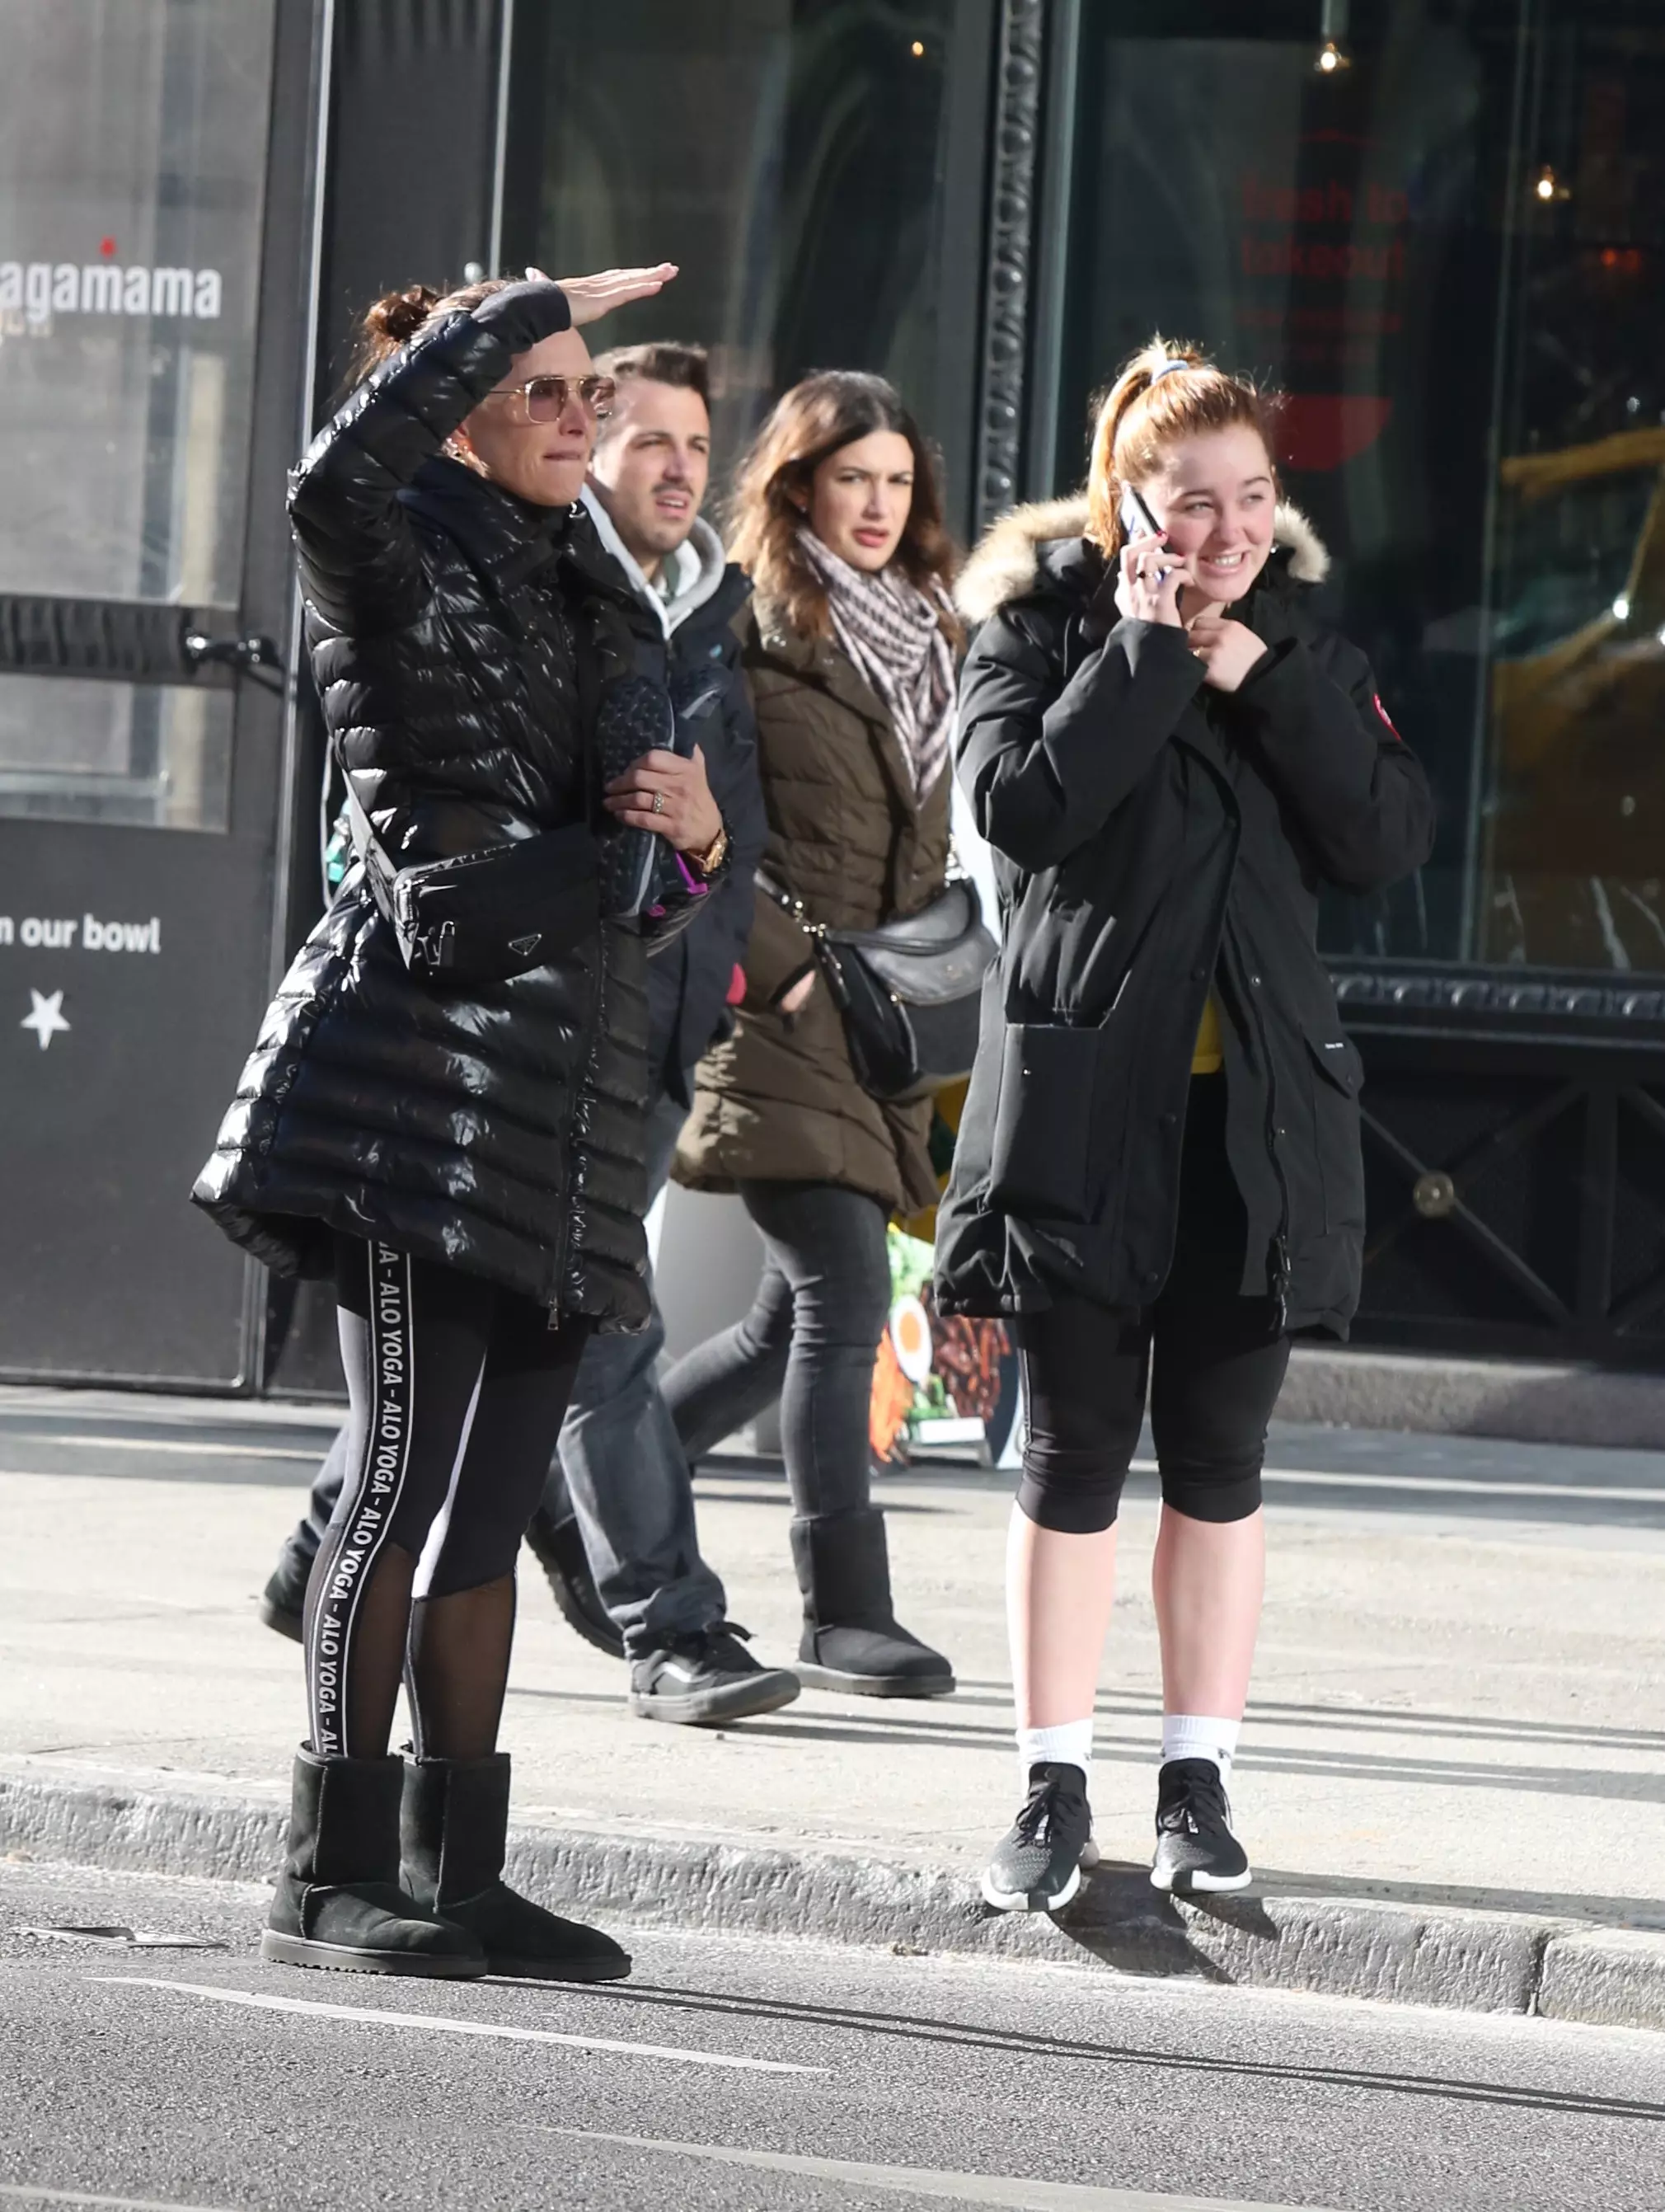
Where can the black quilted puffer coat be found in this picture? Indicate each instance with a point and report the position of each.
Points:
(459, 638)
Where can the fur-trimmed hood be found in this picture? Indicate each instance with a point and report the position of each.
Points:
(1006, 563)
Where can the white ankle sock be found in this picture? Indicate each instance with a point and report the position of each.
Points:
(1199, 1736)
(1069, 1743)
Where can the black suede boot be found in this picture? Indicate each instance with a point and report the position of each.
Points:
(338, 1902)
(455, 1831)
(852, 1640)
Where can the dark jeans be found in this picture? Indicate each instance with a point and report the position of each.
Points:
(1214, 1361)
(811, 1337)
(621, 1465)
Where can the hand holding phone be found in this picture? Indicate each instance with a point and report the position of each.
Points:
(1149, 587)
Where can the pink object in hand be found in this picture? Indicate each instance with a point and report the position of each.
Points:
(737, 985)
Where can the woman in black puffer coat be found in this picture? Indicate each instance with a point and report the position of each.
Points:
(464, 1158)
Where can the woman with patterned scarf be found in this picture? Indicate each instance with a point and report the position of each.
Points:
(850, 652)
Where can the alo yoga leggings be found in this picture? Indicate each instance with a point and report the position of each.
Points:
(457, 1392)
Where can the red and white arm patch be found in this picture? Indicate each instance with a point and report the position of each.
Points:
(1376, 701)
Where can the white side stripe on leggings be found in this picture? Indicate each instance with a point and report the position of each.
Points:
(390, 1415)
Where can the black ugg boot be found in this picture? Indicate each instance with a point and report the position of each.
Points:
(338, 1902)
(852, 1640)
(455, 1831)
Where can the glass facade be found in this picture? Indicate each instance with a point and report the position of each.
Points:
(815, 166)
(1437, 226)
(132, 194)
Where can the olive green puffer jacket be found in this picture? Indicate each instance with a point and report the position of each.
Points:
(777, 1100)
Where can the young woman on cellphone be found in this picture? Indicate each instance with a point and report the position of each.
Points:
(1159, 1175)
(448, 1120)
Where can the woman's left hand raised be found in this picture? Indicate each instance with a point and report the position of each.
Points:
(669, 795)
(590, 298)
(1227, 650)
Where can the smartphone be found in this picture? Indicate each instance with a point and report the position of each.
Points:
(1137, 519)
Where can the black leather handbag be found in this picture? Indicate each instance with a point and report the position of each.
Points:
(484, 916)
(487, 915)
(910, 991)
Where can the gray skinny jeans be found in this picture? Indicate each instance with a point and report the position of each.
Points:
(811, 1338)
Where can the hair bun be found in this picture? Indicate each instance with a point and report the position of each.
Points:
(398, 316)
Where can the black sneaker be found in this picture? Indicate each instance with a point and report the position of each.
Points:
(283, 1600)
(702, 1679)
(1195, 1847)
(557, 1545)
(1038, 1867)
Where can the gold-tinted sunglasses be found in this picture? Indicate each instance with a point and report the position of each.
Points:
(543, 399)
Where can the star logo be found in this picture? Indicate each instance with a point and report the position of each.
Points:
(46, 1017)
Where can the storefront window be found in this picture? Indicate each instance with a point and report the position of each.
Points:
(132, 159)
(814, 165)
(1437, 226)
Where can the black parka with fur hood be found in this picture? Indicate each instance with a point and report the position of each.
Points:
(1153, 840)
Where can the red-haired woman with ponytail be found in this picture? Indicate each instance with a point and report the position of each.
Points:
(1159, 1175)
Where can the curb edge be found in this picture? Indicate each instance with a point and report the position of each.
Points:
(1445, 1957)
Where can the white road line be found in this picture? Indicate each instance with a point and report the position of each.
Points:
(91, 1439)
(33, 2193)
(443, 2026)
(1468, 1485)
(1009, 2190)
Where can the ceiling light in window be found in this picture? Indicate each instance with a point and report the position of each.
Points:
(1547, 187)
(917, 49)
(1333, 55)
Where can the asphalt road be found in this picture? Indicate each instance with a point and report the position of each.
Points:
(179, 2071)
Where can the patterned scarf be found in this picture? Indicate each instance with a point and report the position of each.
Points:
(892, 635)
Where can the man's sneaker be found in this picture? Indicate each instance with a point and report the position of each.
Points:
(556, 1543)
(283, 1600)
(1195, 1847)
(706, 1679)
(1038, 1867)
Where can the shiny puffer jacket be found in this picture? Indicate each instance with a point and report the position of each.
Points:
(460, 639)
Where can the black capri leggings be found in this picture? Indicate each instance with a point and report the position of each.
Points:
(458, 1391)
(1212, 1360)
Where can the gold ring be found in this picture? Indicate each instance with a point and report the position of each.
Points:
(658, 802)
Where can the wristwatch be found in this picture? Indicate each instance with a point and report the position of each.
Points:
(707, 862)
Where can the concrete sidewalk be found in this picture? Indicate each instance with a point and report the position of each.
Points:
(1452, 1782)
